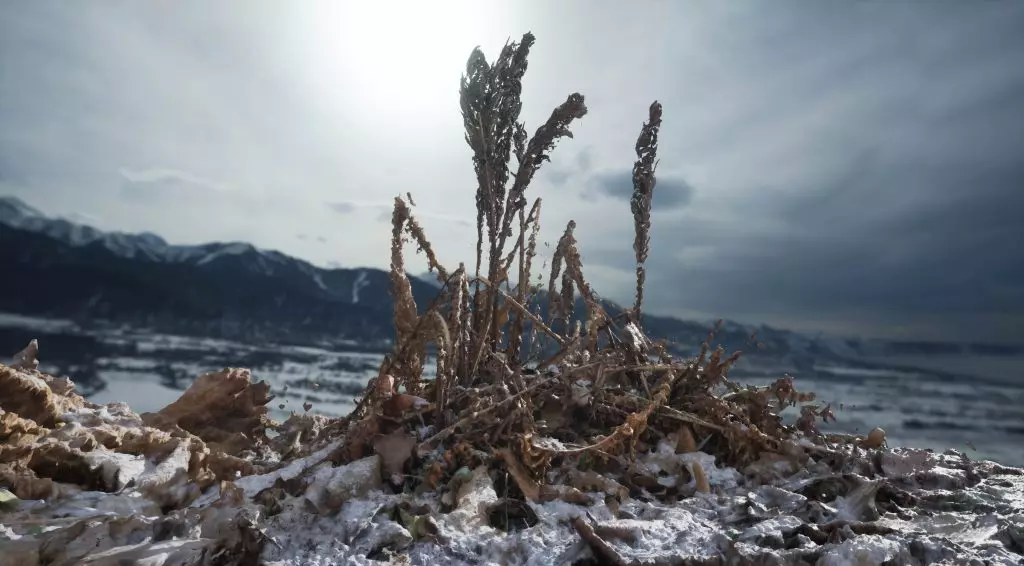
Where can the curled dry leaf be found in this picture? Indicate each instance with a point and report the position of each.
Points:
(26, 359)
(685, 442)
(700, 479)
(875, 438)
(403, 403)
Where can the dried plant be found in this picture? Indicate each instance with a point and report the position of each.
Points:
(643, 192)
(486, 405)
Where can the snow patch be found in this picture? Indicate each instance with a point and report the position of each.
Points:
(229, 249)
(360, 282)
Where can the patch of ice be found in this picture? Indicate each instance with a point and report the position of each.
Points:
(860, 551)
(252, 485)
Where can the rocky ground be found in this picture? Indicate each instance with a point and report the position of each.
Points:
(210, 479)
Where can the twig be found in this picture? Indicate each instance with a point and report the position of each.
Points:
(477, 414)
(530, 488)
(524, 311)
(558, 357)
(678, 415)
(602, 550)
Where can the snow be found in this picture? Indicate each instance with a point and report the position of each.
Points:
(11, 207)
(360, 282)
(142, 395)
(10, 320)
(319, 281)
(16, 214)
(229, 249)
(866, 549)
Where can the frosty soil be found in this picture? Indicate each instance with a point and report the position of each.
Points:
(157, 506)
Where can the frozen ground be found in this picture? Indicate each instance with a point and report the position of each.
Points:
(975, 406)
(114, 506)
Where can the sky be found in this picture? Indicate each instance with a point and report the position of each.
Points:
(852, 168)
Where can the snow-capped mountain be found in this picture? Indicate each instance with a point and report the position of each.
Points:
(68, 270)
(57, 268)
(16, 214)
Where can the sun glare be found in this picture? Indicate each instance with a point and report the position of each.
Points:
(400, 55)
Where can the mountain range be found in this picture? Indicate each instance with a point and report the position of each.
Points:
(56, 268)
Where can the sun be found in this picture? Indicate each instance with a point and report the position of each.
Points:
(400, 55)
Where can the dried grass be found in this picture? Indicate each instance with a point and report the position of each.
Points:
(488, 403)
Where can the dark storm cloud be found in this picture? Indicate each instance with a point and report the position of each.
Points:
(857, 163)
(887, 242)
(670, 192)
(903, 206)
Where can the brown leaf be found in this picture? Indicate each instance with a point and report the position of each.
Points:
(565, 493)
(875, 439)
(401, 404)
(700, 479)
(685, 442)
(526, 484)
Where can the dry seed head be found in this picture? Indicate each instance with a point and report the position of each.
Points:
(643, 192)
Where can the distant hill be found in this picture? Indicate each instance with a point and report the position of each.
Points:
(60, 269)
(56, 268)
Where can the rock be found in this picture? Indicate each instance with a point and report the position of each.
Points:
(383, 533)
(332, 486)
(472, 500)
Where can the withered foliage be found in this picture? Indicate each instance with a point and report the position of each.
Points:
(605, 391)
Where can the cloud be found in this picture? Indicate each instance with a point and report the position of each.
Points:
(670, 192)
(858, 166)
(308, 238)
(342, 207)
(877, 247)
(158, 184)
(384, 212)
(169, 177)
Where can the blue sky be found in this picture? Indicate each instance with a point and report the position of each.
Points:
(851, 167)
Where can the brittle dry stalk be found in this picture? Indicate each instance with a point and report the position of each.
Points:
(643, 192)
(477, 322)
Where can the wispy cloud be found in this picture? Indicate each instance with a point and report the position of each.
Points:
(384, 210)
(168, 177)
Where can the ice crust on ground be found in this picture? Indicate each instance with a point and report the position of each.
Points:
(101, 485)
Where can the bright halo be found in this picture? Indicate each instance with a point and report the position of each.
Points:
(401, 55)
